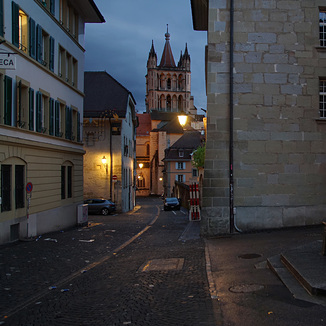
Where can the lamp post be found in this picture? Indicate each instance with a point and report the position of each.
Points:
(182, 117)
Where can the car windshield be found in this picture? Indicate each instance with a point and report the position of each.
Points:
(173, 199)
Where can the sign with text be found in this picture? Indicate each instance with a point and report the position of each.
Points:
(7, 61)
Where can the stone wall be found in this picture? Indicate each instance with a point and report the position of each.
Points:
(279, 139)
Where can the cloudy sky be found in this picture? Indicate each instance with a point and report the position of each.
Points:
(122, 44)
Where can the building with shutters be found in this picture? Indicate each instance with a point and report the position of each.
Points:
(41, 109)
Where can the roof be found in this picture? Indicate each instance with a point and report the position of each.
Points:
(144, 127)
(190, 141)
(89, 11)
(103, 92)
(171, 127)
(199, 10)
(163, 116)
(167, 60)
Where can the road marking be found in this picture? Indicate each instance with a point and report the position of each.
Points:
(67, 279)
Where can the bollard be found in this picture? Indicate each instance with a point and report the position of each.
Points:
(323, 252)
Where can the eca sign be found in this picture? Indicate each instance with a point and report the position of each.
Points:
(7, 62)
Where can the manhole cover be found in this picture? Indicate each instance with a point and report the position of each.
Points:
(246, 288)
(249, 256)
(162, 265)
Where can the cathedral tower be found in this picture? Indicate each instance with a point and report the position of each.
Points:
(168, 86)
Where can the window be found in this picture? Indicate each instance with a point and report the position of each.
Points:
(8, 180)
(322, 98)
(23, 104)
(67, 67)
(42, 112)
(1, 19)
(49, 5)
(23, 31)
(66, 180)
(140, 182)
(181, 153)
(322, 27)
(179, 177)
(194, 172)
(180, 165)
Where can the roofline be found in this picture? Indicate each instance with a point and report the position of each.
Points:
(97, 11)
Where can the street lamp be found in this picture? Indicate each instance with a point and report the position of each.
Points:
(182, 117)
(104, 162)
(140, 165)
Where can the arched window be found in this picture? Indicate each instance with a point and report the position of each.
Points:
(168, 103)
(162, 81)
(180, 103)
(162, 99)
(174, 103)
(180, 82)
(169, 83)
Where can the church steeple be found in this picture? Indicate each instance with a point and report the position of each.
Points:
(152, 57)
(167, 60)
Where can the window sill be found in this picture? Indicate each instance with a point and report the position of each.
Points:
(321, 120)
(320, 48)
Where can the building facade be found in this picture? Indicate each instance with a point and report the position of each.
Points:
(109, 141)
(41, 105)
(266, 134)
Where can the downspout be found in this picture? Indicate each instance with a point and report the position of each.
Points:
(231, 194)
(233, 224)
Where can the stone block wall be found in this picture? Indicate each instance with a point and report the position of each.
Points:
(279, 140)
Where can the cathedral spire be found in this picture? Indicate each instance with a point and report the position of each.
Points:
(167, 60)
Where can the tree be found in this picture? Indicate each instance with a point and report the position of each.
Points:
(198, 156)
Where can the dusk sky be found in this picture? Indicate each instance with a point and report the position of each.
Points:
(122, 44)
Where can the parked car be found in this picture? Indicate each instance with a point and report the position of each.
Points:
(171, 203)
(100, 206)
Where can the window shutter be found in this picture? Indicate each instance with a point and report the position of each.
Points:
(8, 101)
(1, 18)
(52, 7)
(39, 47)
(31, 109)
(51, 65)
(57, 118)
(15, 24)
(68, 122)
(38, 112)
(176, 166)
(176, 177)
(78, 126)
(32, 38)
(51, 116)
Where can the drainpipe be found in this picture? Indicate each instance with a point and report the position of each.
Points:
(231, 120)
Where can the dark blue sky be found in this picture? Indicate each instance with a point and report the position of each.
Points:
(122, 44)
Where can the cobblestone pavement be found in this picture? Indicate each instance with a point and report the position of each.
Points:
(127, 269)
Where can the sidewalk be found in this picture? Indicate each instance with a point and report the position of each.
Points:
(248, 292)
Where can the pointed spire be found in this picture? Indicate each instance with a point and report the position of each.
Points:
(186, 54)
(152, 52)
(167, 56)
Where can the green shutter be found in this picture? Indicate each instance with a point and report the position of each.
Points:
(57, 118)
(51, 64)
(39, 45)
(32, 38)
(78, 126)
(15, 23)
(51, 116)
(38, 112)
(68, 122)
(8, 101)
(1, 19)
(31, 109)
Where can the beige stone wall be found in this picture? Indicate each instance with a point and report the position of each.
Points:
(43, 159)
(279, 140)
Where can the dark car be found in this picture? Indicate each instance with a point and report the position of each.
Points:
(100, 206)
(171, 203)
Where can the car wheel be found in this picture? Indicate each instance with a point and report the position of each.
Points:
(105, 211)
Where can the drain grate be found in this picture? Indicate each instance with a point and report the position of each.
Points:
(162, 265)
(249, 256)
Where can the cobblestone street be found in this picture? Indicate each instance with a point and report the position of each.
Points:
(125, 269)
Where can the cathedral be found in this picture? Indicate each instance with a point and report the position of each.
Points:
(168, 86)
